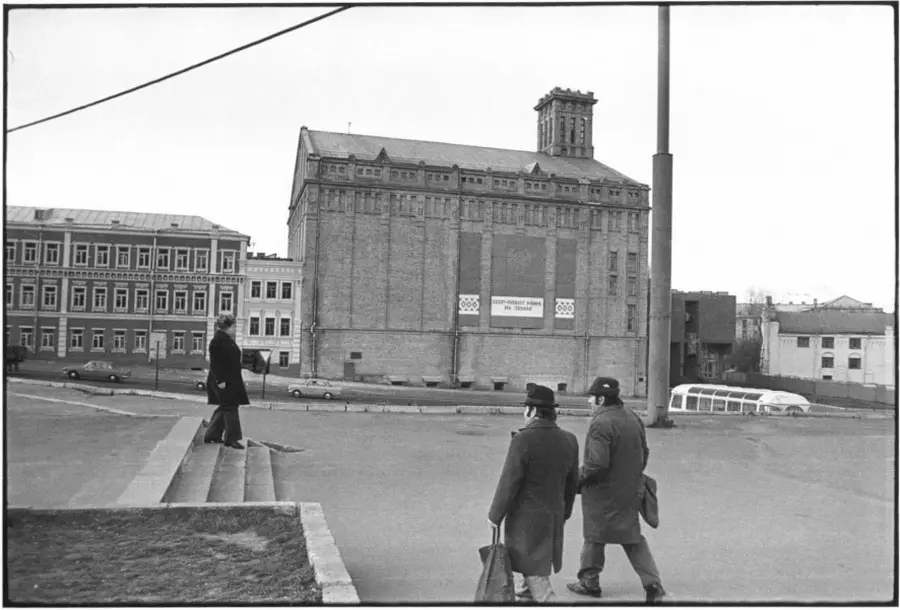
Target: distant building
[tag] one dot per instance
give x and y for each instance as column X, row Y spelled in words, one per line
column 703, row 335
column 831, row 342
column 95, row 285
column 272, row 310
column 749, row 316
column 429, row 261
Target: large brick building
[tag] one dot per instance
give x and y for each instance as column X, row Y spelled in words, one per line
column 429, row 260
column 86, row 284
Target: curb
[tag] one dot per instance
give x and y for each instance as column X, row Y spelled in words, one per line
column 410, row 409
column 152, row 483
column 331, row 574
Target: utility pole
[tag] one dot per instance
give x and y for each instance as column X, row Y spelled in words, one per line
column 661, row 255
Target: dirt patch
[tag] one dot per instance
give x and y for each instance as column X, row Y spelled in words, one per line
column 177, row 556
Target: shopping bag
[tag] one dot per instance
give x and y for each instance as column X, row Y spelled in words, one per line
column 496, row 582
column 649, row 502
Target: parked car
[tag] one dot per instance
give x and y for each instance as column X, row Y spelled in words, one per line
column 96, row 369
column 314, row 388
column 200, row 381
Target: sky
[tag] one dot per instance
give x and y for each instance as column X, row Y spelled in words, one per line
column 782, row 117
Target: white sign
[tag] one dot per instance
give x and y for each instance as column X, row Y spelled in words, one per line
column 517, row 307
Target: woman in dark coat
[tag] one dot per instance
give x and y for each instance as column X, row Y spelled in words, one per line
column 225, row 385
column 536, row 493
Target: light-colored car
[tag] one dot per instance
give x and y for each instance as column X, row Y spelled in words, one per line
column 96, row 369
column 200, row 381
column 314, row 388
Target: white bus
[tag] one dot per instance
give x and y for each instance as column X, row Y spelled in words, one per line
column 728, row 399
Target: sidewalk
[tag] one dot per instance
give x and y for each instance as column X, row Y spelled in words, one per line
column 753, row 509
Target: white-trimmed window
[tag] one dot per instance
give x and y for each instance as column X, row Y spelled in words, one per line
column 29, row 252
column 201, row 260
column 81, row 255
column 51, row 253
column 271, row 290
column 119, row 340
column 10, row 251
column 284, row 359
column 48, row 298
column 161, row 302
column 197, row 343
column 270, row 327
column 226, row 301
column 254, row 326
column 199, row 301
column 101, row 256
column 141, row 300
column 123, row 257
column 121, row 302
column 287, row 290
column 143, row 257
column 162, row 258
column 79, row 298
column 140, row 341
column 182, row 259
column 178, row 341
column 26, row 295
column 76, row 338
column 26, row 336
column 228, row 262
column 99, row 302
column 48, row 336
column 285, row 327
column 180, row 301
column 255, row 289
column 8, row 294
column 98, row 339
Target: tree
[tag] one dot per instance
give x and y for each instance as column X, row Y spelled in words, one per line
column 745, row 357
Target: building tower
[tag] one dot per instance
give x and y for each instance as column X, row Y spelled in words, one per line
column 565, row 123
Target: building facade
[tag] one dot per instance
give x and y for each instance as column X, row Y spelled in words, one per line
column 703, row 335
column 94, row 285
column 830, row 344
column 272, row 310
column 428, row 261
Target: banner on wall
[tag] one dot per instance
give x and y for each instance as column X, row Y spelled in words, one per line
column 517, row 307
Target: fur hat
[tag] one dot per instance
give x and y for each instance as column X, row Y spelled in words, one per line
column 604, row 386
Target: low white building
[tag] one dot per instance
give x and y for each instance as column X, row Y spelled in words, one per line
column 830, row 344
column 272, row 310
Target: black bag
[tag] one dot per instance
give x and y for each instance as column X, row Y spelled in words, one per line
column 496, row 582
column 649, row 502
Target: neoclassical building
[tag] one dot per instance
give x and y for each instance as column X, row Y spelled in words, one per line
column 491, row 267
column 98, row 285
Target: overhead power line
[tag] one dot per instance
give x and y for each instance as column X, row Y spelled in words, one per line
column 183, row 70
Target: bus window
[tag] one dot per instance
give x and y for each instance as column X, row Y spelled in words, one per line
column 691, row 401
column 675, row 402
column 705, row 403
column 752, row 396
column 733, row 406
column 718, row 404
column 708, row 391
column 750, row 407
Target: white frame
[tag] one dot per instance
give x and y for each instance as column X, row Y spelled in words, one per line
column 76, row 332
column 222, row 296
column 187, row 255
column 116, row 308
column 81, row 247
column 138, row 293
column 102, row 335
column 250, row 332
column 148, row 250
column 11, row 243
column 97, row 255
column 32, row 292
column 25, row 245
column 49, row 289
column 46, row 257
column 105, row 292
column 194, row 335
column 275, row 297
column 194, row 295
column 197, row 253
column 176, row 334
column 29, row 331
column 127, row 250
column 175, row 309
column 79, row 290
column 256, row 283
column 281, row 295
column 281, row 322
column 140, row 332
column 229, row 255
column 124, row 335
column 160, row 250
column 280, row 354
column 9, row 294
column 156, row 294
column 265, row 321
column 52, row 331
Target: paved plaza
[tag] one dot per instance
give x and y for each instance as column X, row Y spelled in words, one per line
column 753, row 509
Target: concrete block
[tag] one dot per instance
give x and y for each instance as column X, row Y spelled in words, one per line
column 327, row 408
column 440, row 410
column 259, row 482
column 331, row 574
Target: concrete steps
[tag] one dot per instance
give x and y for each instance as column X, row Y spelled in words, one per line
column 194, row 479
column 229, row 477
column 259, row 482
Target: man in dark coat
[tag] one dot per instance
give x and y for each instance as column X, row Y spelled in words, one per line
column 536, row 493
column 225, row 385
column 615, row 455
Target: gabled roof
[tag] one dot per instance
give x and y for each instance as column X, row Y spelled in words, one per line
column 830, row 321
column 342, row 145
column 845, row 302
column 55, row 217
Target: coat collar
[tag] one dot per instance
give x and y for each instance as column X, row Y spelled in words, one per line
column 539, row 423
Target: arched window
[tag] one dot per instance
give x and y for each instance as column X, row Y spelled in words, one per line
column 827, row 360
column 854, row 362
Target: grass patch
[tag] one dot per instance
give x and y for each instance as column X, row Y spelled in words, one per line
column 158, row 556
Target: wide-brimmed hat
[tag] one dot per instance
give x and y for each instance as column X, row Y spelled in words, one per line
column 604, row 386
column 540, row 396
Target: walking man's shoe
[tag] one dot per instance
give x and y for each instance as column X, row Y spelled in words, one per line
column 655, row 593
column 582, row 589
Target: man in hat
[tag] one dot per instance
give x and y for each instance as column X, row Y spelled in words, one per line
column 536, row 494
column 615, row 455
